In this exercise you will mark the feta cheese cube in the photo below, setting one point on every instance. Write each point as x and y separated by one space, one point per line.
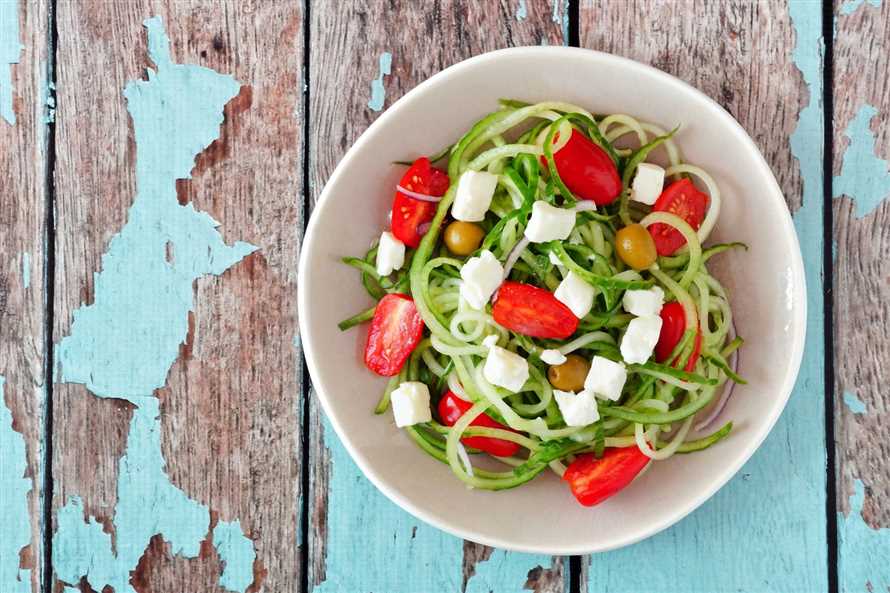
553 357
605 378
640 338
480 277
577 409
473 198
411 403
643 302
647 183
489 341
390 254
576 294
549 223
505 369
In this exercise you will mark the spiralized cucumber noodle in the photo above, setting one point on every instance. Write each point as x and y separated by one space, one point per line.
659 402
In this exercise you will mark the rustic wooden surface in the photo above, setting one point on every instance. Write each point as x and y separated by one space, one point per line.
235 407
861 290
23 291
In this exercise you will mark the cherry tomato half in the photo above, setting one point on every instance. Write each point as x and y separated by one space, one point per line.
532 311
451 408
686 201
587 170
409 213
673 325
594 480
395 331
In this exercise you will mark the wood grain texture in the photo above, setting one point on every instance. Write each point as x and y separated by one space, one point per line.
862 239
400 553
22 293
230 428
746 56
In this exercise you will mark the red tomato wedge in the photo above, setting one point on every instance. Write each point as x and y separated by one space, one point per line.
587 170
594 480
533 311
451 408
686 201
409 213
395 331
673 325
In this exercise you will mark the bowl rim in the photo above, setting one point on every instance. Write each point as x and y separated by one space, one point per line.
798 312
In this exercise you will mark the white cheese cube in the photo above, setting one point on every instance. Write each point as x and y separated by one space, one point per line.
647 183
643 302
549 223
473 198
576 294
411 403
553 357
390 254
577 409
480 277
505 369
640 338
605 378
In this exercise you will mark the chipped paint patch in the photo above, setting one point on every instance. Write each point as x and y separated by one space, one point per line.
14 513
123 344
26 270
853 403
864 176
378 92
10 49
850 6
237 552
521 11
867 569
559 14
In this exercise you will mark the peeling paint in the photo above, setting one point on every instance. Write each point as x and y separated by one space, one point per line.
867 569
559 14
237 552
853 403
124 343
521 11
378 92
26 270
850 6
14 513
864 176
10 49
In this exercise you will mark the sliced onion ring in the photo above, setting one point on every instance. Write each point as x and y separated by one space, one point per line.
417 196
514 256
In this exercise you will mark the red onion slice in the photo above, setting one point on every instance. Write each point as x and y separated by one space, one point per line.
514 256
417 196
727 390
423 228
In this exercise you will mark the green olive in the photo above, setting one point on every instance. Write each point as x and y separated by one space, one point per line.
635 246
463 238
570 375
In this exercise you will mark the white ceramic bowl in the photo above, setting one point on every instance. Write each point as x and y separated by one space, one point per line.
766 284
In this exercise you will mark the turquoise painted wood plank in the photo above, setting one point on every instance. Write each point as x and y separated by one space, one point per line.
359 541
764 531
24 38
124 343
861 188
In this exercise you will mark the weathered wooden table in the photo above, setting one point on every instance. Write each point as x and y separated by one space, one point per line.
158 431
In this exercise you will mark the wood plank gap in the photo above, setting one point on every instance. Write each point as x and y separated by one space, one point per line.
49 276
305 381
827 287
574 12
